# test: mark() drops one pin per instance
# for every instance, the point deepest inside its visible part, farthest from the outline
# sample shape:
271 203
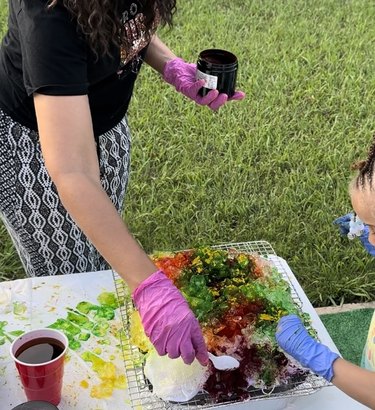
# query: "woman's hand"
182 76
292 337
168 320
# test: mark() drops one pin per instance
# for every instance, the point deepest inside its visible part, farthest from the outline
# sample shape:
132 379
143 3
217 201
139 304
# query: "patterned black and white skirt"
46 238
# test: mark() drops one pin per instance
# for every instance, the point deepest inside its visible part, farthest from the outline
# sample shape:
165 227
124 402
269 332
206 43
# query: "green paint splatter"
108 299
19 308
4 336
84 336
17 332
85 307
104 342
101 328
70 330
88 319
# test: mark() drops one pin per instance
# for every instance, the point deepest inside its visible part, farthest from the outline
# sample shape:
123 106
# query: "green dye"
85 307
73 343
88 318
101 328
2 327
106 312
66 326
19 308
108 299
70 330
84 336
4 336
17 332
78 318
104 342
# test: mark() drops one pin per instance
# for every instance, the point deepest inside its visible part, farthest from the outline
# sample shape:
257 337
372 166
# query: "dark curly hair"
100 20
365 169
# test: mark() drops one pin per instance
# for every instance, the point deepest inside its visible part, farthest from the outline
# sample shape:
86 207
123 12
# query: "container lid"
218 58
35 405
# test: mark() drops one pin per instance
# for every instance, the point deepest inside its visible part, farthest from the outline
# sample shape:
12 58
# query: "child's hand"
294 339
365 242
344 223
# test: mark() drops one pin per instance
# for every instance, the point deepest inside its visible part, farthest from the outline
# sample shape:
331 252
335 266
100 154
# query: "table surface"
95 365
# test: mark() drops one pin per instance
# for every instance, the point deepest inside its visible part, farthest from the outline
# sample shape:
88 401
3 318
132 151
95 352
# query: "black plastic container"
35 405
219 69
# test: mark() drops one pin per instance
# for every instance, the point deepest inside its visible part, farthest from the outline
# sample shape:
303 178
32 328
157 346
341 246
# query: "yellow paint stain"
84 384
102 390
265 316
137 333
120 382
107 373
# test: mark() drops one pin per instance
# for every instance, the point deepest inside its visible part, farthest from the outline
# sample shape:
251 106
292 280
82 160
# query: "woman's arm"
356 382
182 75
158 54
69 151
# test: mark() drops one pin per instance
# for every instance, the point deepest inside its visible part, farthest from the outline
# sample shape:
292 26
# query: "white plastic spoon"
223 362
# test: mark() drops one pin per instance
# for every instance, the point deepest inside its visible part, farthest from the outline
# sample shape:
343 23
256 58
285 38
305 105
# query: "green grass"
349 331
273 167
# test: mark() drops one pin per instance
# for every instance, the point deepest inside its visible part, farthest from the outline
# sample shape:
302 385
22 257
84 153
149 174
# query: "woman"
291 335
67 71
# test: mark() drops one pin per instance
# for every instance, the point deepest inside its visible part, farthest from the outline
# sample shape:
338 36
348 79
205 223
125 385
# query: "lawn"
273 167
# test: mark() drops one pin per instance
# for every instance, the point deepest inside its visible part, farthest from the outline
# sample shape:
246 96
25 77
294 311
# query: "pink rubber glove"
181 75
168 320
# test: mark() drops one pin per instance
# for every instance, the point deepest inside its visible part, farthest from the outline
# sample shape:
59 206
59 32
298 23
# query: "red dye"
172 265
235 316
239 317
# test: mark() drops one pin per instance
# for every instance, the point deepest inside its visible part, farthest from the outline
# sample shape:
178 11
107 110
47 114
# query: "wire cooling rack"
140 390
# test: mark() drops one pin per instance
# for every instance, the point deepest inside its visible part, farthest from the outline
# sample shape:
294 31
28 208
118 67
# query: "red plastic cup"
41 381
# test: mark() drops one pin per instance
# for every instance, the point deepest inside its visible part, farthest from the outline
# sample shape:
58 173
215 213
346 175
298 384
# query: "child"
291 335
346 224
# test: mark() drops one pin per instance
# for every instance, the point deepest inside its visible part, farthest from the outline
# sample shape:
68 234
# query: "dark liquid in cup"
40 350
217 59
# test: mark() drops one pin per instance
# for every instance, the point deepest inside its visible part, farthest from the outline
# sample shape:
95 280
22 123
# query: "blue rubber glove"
294 339
365 242
344 224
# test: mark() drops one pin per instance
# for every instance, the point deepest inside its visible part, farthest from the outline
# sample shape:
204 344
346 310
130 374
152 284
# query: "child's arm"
356 382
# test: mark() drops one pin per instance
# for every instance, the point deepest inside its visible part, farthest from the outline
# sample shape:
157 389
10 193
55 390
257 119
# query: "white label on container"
210 80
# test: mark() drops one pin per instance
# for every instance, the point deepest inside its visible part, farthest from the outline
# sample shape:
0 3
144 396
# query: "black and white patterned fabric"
47 240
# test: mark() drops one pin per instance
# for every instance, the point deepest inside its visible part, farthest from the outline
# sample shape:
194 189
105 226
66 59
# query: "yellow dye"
265 316
84 384
137 335
107 374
